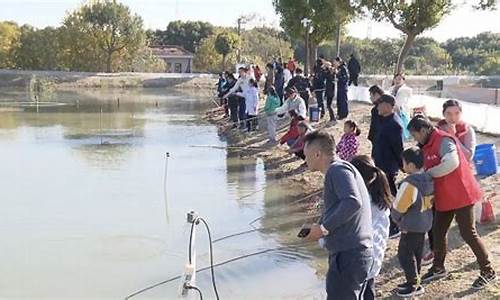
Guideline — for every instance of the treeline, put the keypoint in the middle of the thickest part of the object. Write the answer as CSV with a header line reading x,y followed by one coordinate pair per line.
x,y
104,36
478,55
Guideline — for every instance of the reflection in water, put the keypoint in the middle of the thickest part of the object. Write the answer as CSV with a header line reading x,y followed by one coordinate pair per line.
x,y
95,182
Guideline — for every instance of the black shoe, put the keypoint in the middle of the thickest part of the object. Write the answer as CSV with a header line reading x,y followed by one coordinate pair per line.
x,y
394,232
411,291
433,274
403,286
483,280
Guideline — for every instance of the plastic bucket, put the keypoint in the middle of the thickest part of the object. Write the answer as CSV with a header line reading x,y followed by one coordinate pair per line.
x,y
485,160
314,114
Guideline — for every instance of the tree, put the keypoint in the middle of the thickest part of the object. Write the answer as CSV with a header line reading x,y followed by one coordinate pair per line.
x,y
225,43
325,16
185,34
410,17
9,41
39,49
113,27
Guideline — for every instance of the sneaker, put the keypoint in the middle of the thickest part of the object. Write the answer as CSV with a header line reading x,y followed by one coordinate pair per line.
x,y
394,232
433,274
403,286
411,291
483,280
428,258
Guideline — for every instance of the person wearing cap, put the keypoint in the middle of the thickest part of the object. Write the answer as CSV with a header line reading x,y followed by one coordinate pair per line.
x,y
388,146
293,102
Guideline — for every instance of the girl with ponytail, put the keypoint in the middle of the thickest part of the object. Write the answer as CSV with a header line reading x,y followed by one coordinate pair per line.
x,y
381,201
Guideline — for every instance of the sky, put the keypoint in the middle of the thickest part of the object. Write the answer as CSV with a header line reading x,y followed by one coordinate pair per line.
x,y
158,13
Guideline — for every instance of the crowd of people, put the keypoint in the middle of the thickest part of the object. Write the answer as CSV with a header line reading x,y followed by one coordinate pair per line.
x,y
364,204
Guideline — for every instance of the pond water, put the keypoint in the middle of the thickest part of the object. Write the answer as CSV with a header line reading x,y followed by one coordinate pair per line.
x,y
84,212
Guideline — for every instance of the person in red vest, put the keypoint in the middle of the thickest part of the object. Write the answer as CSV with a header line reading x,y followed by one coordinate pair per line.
x,y
453,124
455,192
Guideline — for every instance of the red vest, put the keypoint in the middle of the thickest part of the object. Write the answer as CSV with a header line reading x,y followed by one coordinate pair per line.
x,y
457,189
462,129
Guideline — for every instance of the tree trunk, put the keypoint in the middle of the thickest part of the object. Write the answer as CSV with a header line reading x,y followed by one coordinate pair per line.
x,y
108,62
338,39
312,56
410,38
223,62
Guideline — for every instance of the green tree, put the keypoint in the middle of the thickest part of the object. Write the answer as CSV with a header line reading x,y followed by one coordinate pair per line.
x,y
187,34
260,44
410,17
39,49
225,43
9,41
114,28
325,16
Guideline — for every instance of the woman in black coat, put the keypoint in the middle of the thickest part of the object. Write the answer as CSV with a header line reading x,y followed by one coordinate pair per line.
x,y
342,81
330,91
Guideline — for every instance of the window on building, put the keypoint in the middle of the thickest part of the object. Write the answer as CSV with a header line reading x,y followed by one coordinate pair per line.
x,y
178,68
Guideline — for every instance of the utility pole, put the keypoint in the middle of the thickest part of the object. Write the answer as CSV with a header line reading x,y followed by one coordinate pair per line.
x,y
238,51
338,38
306,23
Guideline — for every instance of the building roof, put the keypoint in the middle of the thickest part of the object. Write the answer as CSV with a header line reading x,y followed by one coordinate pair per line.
x,y
171,51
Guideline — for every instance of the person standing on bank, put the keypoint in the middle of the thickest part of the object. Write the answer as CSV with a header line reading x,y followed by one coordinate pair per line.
x,y
453,124
342,80
455,192
402,93
354,69
330,91
388,146
375,93
302,84
345,225
241,86
319,85
279,81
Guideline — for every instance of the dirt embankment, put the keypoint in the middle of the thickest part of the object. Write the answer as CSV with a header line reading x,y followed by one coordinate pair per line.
x,y
290,172
72,80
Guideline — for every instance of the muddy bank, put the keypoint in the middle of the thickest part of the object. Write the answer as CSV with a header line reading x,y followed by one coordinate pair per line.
x,y
72,80
294,175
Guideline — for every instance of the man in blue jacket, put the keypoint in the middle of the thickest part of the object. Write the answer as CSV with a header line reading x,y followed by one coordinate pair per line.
x,y
388,146
346,225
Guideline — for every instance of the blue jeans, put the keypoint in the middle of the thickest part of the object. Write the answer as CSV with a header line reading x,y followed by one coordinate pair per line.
x,y
347,273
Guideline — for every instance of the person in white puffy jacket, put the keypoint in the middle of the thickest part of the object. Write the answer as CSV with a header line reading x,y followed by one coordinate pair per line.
x,y
381,201
402,93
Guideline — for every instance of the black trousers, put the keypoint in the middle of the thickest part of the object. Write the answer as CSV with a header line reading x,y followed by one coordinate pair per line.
x,y
319,98
329,101
305,95
233,103
369,292
411,246
353,79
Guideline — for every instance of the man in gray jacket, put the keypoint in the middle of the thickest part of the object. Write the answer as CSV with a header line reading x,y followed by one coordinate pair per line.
x,y
345,224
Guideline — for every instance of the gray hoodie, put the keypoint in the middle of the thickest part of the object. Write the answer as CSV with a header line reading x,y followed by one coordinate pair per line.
x,y
412,209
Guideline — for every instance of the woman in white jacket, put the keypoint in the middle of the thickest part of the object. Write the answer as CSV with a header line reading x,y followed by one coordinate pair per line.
x,y
402,93
251,96
381,200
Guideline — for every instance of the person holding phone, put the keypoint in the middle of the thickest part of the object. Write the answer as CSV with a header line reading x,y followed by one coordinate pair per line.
x,y
345,225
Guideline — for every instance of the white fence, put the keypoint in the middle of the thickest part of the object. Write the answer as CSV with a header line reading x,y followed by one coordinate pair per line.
x,y
485,118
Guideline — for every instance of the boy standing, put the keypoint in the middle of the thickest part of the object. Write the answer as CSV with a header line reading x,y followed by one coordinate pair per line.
x,y
412,211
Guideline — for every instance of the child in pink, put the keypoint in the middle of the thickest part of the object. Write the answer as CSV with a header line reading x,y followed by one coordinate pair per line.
x,y
348,145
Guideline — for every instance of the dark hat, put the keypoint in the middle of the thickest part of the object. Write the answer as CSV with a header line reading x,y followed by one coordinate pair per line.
x,y
290,90
387,99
